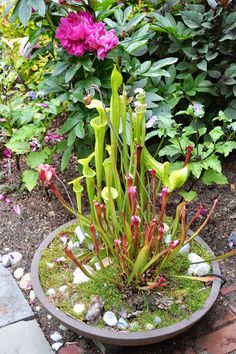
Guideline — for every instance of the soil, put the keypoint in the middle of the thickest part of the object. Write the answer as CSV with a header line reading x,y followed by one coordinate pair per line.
x,y
42,213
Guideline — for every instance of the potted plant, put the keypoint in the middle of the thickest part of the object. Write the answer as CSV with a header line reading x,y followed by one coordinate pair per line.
x,y
123,274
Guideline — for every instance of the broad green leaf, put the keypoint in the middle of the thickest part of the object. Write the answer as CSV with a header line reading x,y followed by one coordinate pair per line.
x,y
226,148
37,157
79,130
211,176
188,83
212,162
196,168
68,125
216,133
192,19
39,6
25,12
188,196
65,158
72,71
202,65
30,179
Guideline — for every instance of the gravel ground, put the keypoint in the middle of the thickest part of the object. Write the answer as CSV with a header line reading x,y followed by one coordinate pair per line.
x,y
42,213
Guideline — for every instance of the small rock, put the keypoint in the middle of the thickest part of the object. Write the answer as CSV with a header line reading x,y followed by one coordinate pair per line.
x,y
80,277
167,239
57,346
51,292
59,260
122,324
134,314
166,227
15,257
185,249
157,320
32,295
25,283
18,273
50,265
79,308
63,288
0,258
123,312
232,239
51,213
62,328
106,262
110,318
200,269
134,326
38,308
6,249
94,310
49,317
149,326
80,234
56,336
6,260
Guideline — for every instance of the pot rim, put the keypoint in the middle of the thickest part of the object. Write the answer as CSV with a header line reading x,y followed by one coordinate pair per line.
x,y
112,337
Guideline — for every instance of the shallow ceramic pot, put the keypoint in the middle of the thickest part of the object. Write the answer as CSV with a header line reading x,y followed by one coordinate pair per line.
x,y
112,337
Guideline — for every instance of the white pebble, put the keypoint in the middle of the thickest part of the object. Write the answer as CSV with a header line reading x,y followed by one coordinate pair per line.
x,y
56,336
50,265
185,249
110,318
25,282
38,308
149,326
18,273
157,320
63,288
57,346
62,328
79,308
199,269
6,260
80,234
32,295
51,292
49,317
15,257
80,277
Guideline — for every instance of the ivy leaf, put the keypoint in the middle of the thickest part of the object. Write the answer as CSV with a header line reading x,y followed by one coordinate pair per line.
x,y
212,162
37,157
30,179
196,168
188,196
211,177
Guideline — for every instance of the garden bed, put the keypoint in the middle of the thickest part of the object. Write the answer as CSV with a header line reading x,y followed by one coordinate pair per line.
x,y
41,214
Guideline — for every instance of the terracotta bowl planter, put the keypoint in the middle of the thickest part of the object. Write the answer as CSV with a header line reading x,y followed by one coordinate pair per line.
x,y
112,337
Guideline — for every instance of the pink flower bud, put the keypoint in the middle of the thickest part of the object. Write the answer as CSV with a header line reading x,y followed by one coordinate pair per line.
x,y
46,172
188,154
135,220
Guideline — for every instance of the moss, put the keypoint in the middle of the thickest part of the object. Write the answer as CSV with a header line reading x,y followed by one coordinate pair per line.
x,y
185,296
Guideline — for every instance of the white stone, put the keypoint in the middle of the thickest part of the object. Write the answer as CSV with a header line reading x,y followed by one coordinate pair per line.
x,y
6,249
157,320
149,326
166,227
6,260
106,262
49,317
50,265
38,308
57,346
32,295
62,328
122,324
25,282
18,273
0,258
80,277
51,292
56,336
63,288
110,318
167,239
79,308
80,234
200,269
15,257
185,249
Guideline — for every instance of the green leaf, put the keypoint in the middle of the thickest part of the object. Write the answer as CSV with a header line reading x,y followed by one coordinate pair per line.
x,y
216,133
30,179
37,157
65,158
192,19
196,168
169,150
59,68
20,147
226,148
68,125
211,177
72,71
212,162
188,196
39,6
202,65
188,83
25,12
79,130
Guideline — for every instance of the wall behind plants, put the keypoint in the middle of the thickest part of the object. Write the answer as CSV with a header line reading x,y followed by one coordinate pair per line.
x,y
181,52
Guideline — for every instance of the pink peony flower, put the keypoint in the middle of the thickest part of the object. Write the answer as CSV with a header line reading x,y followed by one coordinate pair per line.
x,y
79,33
73,31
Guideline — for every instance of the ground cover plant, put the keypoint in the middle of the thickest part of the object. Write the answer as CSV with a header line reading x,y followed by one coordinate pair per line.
x,y
126,229
171,48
